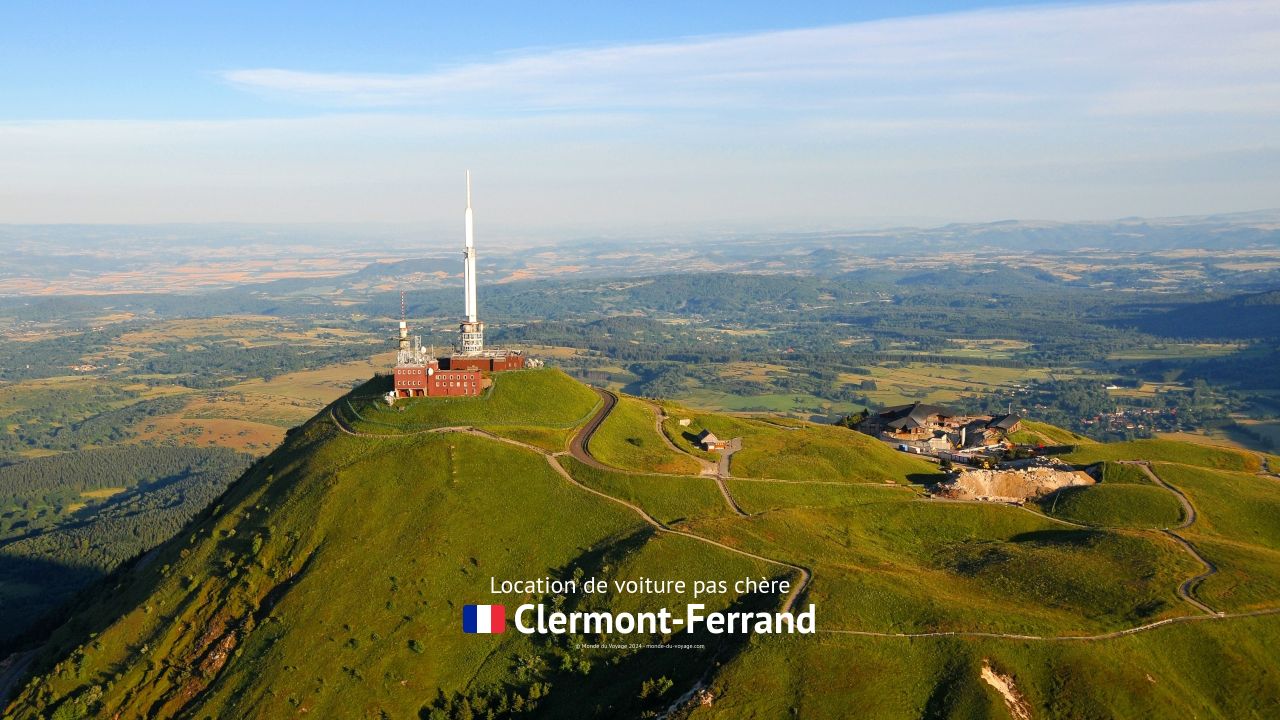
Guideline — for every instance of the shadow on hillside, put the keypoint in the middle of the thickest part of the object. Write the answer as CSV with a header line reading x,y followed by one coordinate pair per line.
x,y
34,593
99,600
1071,538
958,691
926,479
605,682
594,561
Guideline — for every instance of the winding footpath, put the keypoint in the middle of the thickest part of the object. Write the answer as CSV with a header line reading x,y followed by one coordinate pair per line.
x,y
579,448
717,470
722,469
1188,586
580,443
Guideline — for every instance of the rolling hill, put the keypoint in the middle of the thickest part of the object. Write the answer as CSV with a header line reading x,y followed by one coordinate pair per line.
x,y
329,580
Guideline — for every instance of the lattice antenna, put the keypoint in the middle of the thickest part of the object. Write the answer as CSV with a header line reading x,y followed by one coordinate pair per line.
x,y
402,316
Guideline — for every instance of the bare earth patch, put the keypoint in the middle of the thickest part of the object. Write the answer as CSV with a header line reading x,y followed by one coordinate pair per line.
x,y
1012,486
1018,707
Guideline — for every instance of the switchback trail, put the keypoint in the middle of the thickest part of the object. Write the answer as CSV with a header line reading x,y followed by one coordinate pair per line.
x,y
1188,517
579,443
806,575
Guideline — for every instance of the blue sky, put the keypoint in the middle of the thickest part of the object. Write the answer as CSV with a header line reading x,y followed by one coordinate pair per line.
x,y
637,117
136,60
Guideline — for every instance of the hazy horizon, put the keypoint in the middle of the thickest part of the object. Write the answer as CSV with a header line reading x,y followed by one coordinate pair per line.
x,y
918,114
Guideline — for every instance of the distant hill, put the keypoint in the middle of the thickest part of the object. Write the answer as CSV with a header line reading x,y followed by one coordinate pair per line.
x,y
1250,315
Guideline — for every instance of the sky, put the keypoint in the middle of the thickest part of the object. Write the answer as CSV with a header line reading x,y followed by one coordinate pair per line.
x,y
632,118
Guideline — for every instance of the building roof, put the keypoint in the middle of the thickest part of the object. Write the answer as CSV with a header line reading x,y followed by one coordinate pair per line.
x,y
706,436
907,417
1004,422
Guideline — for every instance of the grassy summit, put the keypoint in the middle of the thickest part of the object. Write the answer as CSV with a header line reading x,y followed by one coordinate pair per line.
x,y
543,397
540,407
329,580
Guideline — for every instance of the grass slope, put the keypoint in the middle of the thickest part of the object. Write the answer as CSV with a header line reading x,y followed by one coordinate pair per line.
x,y
1233,506
667,498
1166,451
543,398
1119,505
806,452
1114,473
328,582
628,439
1033,432
350,551
1208,670
884,560
757,496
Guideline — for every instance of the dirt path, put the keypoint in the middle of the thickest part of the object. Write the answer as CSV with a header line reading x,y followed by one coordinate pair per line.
x,y
806,575
579,443
1266,470
1014,702
705,466
732,447
1189,516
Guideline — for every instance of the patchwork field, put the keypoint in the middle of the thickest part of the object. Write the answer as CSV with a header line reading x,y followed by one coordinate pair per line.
x,y
900,383
243,435
770,402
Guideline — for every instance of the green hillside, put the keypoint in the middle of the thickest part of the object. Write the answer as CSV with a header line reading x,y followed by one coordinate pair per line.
x,y
800,451
329,580
627,440
66,520
1167,451
543,400
1119,505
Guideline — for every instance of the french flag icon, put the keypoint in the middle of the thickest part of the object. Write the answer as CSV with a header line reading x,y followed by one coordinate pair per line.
x,y
484,619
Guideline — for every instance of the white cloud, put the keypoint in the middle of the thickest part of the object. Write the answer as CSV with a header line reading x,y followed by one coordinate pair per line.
x,y
1088,53
1055,112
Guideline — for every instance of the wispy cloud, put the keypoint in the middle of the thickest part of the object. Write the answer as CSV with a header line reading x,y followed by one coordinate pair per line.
x,y
1052,111
1094,58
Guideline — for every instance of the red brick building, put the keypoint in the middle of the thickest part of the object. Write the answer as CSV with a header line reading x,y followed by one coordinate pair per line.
x,y
490,361
428,380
